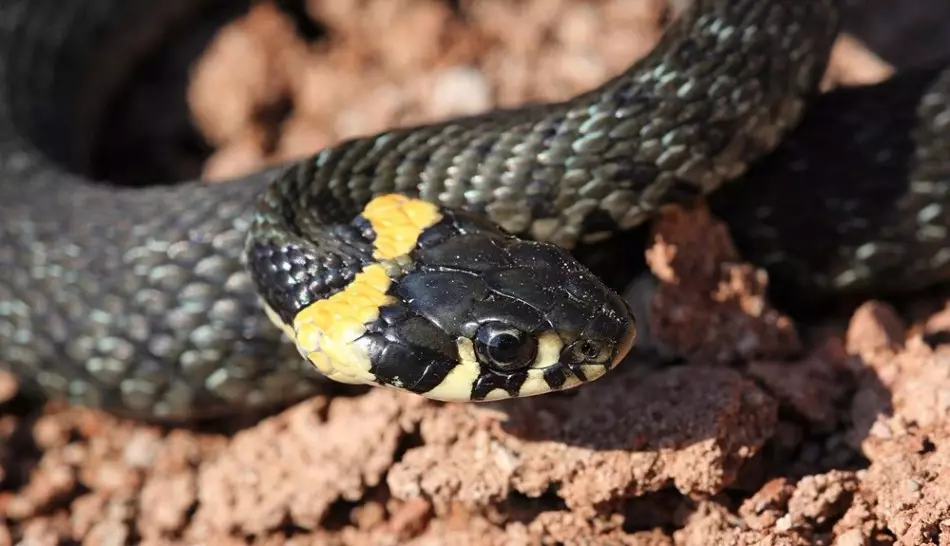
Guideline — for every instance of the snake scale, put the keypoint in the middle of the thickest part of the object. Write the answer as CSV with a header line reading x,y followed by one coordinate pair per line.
x,y
148,301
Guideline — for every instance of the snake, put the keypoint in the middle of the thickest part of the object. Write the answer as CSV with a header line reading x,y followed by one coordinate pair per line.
x,y
438,259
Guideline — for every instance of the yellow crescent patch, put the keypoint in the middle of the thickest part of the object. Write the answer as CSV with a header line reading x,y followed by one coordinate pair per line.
x,y
326,331
398,221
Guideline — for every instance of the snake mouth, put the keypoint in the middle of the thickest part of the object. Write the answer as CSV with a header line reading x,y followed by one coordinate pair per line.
x,y
586,371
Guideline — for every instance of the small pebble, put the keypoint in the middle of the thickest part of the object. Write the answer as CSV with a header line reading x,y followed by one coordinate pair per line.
x,y
460,91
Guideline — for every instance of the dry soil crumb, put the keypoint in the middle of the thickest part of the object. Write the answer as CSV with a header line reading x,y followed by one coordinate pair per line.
x,y
875,328
706,452
634,436
908,482
705,282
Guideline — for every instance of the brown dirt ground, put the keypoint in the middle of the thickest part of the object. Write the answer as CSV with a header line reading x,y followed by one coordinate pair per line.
x,y
846,445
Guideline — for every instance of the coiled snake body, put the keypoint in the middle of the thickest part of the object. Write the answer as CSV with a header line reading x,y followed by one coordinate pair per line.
x,y
382,256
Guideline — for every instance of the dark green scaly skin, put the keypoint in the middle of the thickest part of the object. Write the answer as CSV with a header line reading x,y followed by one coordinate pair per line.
x,y
857,200
137,300
131,300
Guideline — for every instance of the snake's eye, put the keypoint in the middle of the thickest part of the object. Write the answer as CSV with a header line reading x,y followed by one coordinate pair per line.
x,y
503,347
589,350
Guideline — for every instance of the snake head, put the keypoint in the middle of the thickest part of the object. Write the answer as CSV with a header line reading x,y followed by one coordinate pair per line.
x,y
444,304
481,315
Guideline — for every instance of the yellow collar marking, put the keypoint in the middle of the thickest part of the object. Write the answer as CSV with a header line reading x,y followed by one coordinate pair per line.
x,y
326,330
398,221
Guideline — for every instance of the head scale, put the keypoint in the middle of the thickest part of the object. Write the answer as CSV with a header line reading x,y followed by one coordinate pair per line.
x,y
481,315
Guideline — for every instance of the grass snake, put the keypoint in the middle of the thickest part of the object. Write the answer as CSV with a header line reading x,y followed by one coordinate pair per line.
x,y
435,258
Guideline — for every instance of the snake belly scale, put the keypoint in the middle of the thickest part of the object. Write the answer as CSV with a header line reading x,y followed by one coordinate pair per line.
x,y
433,259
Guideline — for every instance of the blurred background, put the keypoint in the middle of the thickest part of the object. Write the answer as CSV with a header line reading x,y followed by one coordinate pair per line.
x,y
255,83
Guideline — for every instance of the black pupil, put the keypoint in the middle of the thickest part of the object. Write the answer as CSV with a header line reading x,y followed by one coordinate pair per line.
x,y
505,347
589,349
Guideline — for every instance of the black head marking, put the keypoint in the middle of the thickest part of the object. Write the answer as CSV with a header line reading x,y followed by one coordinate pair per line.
x,y
472,285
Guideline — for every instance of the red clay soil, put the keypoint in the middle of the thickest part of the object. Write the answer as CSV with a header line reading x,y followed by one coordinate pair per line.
x,y
846,445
